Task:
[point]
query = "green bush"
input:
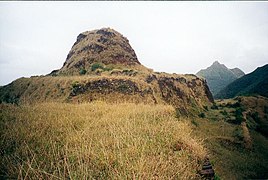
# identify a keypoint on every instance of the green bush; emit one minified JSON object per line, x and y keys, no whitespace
{"x":75,"y":84}
{"x":239,"y":116}
{"x":217,"y":177}
{"x":82,"y":71}
{"x":96,"y":66}
{"x":75,"y":87}
{"x":202,"y":115}
{"x":214,"y":106}
{"x":256,"y":117}
{"x":206,"y":108}
{"x":224,"y":113}
{"x":238,"y":133}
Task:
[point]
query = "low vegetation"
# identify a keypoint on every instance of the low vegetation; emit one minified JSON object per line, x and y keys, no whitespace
{"x":234,"y":135}
{"x":96,"y":141}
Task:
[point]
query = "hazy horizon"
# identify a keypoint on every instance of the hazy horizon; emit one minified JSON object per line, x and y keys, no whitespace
{"x":173,"y":37}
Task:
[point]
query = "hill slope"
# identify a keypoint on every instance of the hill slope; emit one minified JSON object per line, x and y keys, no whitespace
{"x":219,"y":76}
{"x":102,"y":66}
{"x":252,"y":83}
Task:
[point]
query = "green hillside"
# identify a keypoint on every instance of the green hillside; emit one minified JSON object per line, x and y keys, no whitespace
{"x":253,"y":83}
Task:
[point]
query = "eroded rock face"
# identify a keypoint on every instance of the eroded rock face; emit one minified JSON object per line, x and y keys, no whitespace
{"x":183,"y":92}
{"x":105,"y":46}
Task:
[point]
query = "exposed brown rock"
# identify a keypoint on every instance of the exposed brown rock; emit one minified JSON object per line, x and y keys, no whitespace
{"x":105,"y":46}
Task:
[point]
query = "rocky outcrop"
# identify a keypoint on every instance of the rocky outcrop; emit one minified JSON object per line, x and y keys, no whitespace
{"x":105,"y":46}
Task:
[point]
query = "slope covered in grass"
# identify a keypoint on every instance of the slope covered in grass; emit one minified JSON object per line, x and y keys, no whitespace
{"x":252,"y":83}
{"x":96,"y":141}
{"x":235,"y":135}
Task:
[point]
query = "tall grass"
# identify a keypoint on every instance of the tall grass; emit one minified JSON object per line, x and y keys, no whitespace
{"x":96,"y":141}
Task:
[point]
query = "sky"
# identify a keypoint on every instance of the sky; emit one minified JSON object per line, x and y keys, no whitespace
{"x":174,"y":37}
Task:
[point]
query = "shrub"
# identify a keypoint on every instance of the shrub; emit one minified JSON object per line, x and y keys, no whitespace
{"x":214,"y":106}
{"x":256,"y":117}
{"x":238,"y":133}
{"x":96,"y":66}
{"x":202,"y":115}
{"x":82,"y":71}
{"x":75,"y":84}
{"x":123,"y":87}
{"x":239,"y":116}
{"x":224,"y":113}
{"x":75,"y":87}
{"x":107,"y":68}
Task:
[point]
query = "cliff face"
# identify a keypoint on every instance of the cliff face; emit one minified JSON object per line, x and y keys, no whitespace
{"x":111,"y":72}
{"x":105,"y":46}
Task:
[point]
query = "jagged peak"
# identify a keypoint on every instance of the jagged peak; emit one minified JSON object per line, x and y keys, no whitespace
{"x":216,"y":63}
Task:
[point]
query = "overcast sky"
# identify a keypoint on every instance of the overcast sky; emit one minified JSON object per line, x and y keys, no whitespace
{"x":175,"y":37}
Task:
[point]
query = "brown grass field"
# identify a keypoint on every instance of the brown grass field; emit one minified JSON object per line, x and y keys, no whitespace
{"x":97,"y":141}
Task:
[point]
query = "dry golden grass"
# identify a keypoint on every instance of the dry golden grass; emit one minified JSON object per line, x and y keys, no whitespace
{"x":96,"y":141}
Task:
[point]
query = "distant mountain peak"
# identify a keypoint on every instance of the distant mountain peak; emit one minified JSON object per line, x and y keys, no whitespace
{"x":255,"y":82}
{"x":218,"y":76}
{"x":216,"y":63}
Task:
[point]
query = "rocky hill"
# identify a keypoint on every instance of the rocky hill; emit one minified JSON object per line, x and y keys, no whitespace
{"x":252,"y":83}
{"x":96,"y":48}
{"x":219,"y":76}
{"x":102,"y":66}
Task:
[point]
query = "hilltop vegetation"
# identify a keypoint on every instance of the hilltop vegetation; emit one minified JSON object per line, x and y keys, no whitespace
{"x":218,"y":76}
{"x":250,"y":84}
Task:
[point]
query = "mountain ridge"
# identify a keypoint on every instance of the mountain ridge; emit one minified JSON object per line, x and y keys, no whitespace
{"x":218,"y":76}
{"x":255,"y":82}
